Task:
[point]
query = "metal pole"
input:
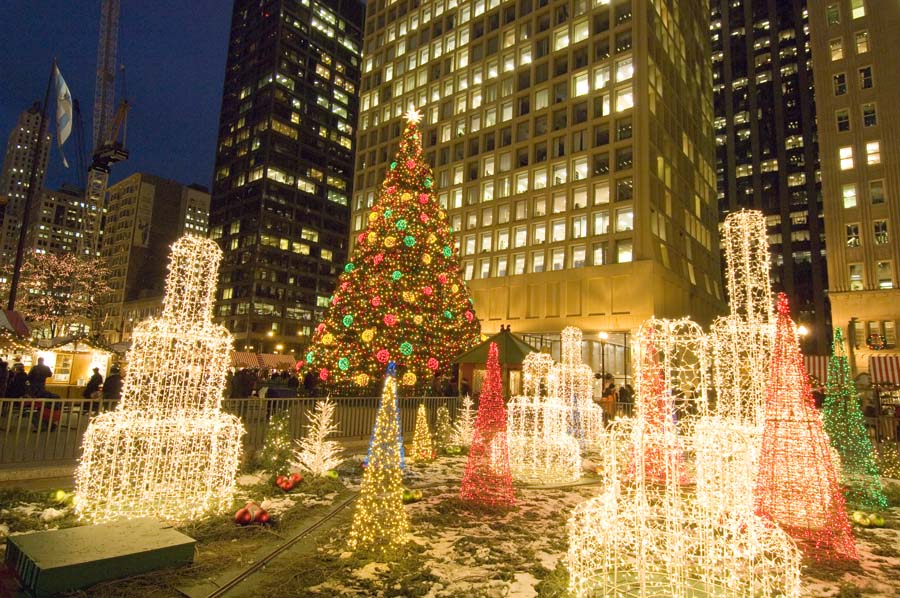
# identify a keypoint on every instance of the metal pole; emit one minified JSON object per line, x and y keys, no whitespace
{"x":29,"y":197}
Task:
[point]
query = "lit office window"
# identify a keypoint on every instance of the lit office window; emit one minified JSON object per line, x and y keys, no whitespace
{"x":846,"y":157}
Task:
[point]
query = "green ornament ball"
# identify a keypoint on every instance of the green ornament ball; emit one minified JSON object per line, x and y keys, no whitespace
{"x":396,"y":275}
{"x":350,"y":267}
{"x":388,"y":213}
{"x":409,"y":240}
{"x":428,"y":183}
{"x":309,"y":356}
{"x":406,"y":348}
{"x":401,"y":224}
{"x":447,"y":251}
{"x":344,"y":364}
{"x":348,"y":320}
{"x":448,"y":314}
{"x":393,"y":165}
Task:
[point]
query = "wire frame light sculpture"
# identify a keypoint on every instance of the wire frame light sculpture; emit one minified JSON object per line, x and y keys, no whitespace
{"x":573,"y":383}
{"x":797,"y":485}
{"x":542,"y":449}
{"x":168,"y":450}
{"x":647,"y":535}
{"x":742,"y":341}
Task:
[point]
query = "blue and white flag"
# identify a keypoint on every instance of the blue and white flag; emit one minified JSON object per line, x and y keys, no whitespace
{"x":63,"y":113}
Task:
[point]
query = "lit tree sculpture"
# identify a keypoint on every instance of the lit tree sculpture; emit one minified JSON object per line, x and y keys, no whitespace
{"x":797,"y":486}
{"x":277,"y":447}
{"x":542,"y":448}
{"x":487,"y":480}
{"x":315,"y":453}
{"x":401,"y":296}
{"x":423,"y":447}
{"x":168,"y":451}
{"x":379,"y":521}
{"x":846,"y":428}
{"x":443,"y":429}
{"x":464,"y":427}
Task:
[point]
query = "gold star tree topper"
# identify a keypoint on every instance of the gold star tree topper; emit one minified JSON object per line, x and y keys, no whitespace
{"x":413,"y":116}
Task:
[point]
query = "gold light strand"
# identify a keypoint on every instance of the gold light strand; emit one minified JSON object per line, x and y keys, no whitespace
{"x":168,"y":451}
{"x":423,"y":447}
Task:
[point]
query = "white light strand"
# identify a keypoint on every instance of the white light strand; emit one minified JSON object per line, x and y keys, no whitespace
{"x":168,"y":451}
{"x":464,"y":427}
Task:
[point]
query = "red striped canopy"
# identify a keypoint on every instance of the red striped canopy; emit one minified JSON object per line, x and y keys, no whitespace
{"x":817,"y":367}
{"x":885,"y":368}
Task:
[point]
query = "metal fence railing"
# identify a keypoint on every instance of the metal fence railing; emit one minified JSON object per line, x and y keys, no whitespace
{"x":43,"y":431}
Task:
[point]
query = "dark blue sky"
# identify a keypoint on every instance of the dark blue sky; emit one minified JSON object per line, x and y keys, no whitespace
{"x":174,"y":55}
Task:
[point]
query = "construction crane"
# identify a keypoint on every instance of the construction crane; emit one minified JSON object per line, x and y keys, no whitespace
{"x":107,"y":149}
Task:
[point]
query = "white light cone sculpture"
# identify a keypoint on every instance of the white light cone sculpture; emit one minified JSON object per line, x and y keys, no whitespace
{"x":168,"y":451}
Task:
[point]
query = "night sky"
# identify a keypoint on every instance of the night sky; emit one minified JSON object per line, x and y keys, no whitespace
{"x":174,"y":55}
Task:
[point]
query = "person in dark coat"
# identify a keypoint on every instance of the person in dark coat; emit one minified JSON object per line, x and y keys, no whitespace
{"x":4,"y":376}
{"x":93,"y":385}
{"x":18,"y":382}
{"x":112,"y":388}
{"x":37,"y":378}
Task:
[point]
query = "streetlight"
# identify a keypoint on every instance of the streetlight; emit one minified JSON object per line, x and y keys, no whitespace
{"x":604,"y":336}
{"x":802,"y":330}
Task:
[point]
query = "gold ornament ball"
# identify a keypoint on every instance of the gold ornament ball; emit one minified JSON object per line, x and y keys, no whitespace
{"x":328,"y":339}
{"x":390,"y":242}
{"x":368,"y":335}
{"x":409,"y":379}
{"x":418,"y":320}
{"x":426,"y":258}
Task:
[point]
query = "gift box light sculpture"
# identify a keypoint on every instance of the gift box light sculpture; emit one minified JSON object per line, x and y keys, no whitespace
{"x":797,"y":486}
{"x":541,"y":448}
{"x":487,"y":479}
{"x":167,"y":450}
{"x":647,"y":535}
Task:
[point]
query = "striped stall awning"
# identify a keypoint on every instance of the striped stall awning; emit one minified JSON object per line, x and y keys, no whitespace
{"x":274,"y":361}
{"x":817,"y":367}
{"x":244,"y":359}
{"x":885,"y":368}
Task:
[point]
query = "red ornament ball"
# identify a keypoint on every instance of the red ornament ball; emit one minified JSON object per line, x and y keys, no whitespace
{"x":428,"y":291}
{"x":323,"y":374}
{"x":423,"y":217}
{"x":390,"y":319}
{"x":390,"y":190}
{"x":423,"y":198}
{"x":469,"y":315}
{"x":320,"y":328}
{"x":442,"y":278}
{"x":410,"y":164}
{"x":375,"y":301}
{"x":383,"y":356}
{"x":361,"y":238}
{"x":377,"y":258}
{"x":432,"y":363}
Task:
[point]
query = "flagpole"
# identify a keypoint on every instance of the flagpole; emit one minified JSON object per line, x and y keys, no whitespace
{"x":32,"y":189}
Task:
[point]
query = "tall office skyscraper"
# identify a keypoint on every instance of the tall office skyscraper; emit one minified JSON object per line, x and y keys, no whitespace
{"x":284,"y":166}
{"x":16,"y":175}
{"x":766,"y":154}
{"x":572,"y":146}
{"x":857,"y":71}
{"x":145,"y":215}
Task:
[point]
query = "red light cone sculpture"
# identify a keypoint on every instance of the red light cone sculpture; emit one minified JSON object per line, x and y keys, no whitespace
{"x":487,"y":480}
{"x":797,"y":485}
{"x":662,"y":453}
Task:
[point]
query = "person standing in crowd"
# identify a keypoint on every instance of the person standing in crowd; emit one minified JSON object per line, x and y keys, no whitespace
{"x":17,"y":386}
{"x":609,"y":396}
{"x":37,"y":378}
{"x":112,"y":388}
{"x":4,"y":376}
{"x":93,"y":386}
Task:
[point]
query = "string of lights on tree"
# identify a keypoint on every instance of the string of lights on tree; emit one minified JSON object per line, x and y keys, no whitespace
{"x":380,"y":523}
{"x":443,"y":429}
{"x":845,"y":425}
{"x":797,"y":486}
{"x":487,"y":480}
{"x":464,"y":426}
{"x":401,"y":296}
{"x":168,"y":451}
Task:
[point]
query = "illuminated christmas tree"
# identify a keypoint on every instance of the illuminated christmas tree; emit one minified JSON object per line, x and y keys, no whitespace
{"x":423,"y":447}
{"x":277,"y":450}
{"x":846,"y":427}
{"x":487,"y":479}
{"x":797,"y":486}
{"x":443,"y":429}
{"x":315,"y":453}
{"x":379,"y":521}
{"x":401,"y":296}
{"x":889,"y":460}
